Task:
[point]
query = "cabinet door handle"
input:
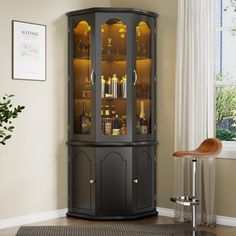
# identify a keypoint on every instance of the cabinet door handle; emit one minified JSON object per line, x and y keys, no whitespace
{"x":92,"y":77}
{"x":91,"y":181}
{"x":135,"y":77}
{"x":135,"y":181}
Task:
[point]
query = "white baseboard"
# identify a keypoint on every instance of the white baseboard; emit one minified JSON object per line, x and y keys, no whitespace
{"x":220,"y":220}
{"x":165,"y":212}
{"x":29,"y":219}
{"x":226,"y":220}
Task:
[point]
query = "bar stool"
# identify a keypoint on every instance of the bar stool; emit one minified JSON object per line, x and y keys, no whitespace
{"x":209,"y":148}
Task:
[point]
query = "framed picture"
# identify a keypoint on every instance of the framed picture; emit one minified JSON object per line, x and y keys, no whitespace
{"x":28,"y":51}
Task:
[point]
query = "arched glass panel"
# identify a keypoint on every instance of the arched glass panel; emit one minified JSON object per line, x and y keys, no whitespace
{"x":113,"y":78}
{"x":81,"y":77}
{"x":143,"y":79}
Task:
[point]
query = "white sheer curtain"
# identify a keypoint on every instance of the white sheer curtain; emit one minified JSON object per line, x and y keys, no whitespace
{"x":194,"y":102}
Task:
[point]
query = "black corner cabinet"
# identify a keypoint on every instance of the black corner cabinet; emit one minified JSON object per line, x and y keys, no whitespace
{"x":112,"y":113}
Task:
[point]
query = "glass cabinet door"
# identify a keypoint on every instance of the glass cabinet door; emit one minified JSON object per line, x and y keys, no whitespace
{"x":144,"y":81}
{"x":82,"y":79}
{"x":113,"y":79}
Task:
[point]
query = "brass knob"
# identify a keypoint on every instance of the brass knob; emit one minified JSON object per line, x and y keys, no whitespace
{"x":135,"y":181}
{"x":91,"y":181}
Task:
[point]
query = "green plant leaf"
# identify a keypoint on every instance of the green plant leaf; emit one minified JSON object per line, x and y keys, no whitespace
{"x":7,"y":113}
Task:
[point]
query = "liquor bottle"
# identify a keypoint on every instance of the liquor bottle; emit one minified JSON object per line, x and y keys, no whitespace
{"x":143,"y":120}
{"x":102,"y":120}
{"x":108,"y":89}
{"x":84,"y":121}
{"x":87,"y":89}
{"x":113,"y":116}
{"x":124,"y":86}
{"x":103,"y":83}
{"x":108,"y":123}
{"x":123,"y":129}
{"x":117,"y":126}
{"x":114,"y":86}
{"x":109,"y":45}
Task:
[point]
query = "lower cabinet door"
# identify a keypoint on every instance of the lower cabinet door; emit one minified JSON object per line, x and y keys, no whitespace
{"x":82,"y":180}
{"x":114,"y":185}
{"x":143,"y":179}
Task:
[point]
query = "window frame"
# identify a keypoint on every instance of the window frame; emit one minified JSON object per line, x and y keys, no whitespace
{"x":229,"y":147}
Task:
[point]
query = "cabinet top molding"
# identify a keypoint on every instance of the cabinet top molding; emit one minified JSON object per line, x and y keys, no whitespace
{"x":111,"y":10}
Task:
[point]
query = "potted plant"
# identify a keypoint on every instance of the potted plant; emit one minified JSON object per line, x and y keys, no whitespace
{"x":7,"y":113}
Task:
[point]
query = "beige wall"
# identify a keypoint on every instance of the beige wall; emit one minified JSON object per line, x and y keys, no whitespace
{"x":33,"y":164}
{"x":225,"y":187}
{"x":166,"y":46}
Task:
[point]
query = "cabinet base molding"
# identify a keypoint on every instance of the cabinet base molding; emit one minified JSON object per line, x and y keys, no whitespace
{"x":123,"y":217}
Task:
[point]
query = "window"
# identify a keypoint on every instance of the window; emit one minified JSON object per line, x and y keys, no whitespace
{"x":225,"y":89}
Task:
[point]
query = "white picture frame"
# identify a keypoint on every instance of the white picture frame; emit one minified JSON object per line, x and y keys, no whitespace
{"x":28,"y":51}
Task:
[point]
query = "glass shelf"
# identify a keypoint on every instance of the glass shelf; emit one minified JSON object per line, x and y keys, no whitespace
{"x":82,"y":58}
{"x":146,"y":99}
{"x":139,"y":58}
{"x":113,"y":57}
{"x":81,"y":99}
{"x":114,"y":99}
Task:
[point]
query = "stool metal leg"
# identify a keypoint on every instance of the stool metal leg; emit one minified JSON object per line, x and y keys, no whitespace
{"x":194,"y":220}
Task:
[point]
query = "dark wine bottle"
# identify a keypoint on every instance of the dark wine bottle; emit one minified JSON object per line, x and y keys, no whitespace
{"x":143,"y":120}
{"x":117,"y":126}
{"x":108,"y":121}
{"x":102,"y":120}
{"x":84,"y":121}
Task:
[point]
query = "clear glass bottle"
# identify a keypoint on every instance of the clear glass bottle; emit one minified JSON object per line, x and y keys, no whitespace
{"x":114,"y":86}
{"x":87,"y":89}
{"x":84,"y":121}
{"x":124,"y":86}
{"x":103,"y":85}
{"x":108,"y":93}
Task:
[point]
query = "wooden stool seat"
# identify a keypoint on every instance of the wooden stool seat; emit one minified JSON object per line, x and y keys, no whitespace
{"x":209,"y":148}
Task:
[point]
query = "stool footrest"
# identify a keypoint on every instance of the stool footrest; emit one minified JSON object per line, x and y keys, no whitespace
{"x":185,"y":200}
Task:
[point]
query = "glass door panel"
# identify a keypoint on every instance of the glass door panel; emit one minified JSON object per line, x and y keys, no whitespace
{"x":82,"y":78}
{"x":143,"y":79}
{"x":113,"y":78}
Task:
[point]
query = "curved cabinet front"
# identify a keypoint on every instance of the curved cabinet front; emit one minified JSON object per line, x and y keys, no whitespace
{"x":112,"y":76}
{"x":112,"y":113}
{"x":112,"y":182}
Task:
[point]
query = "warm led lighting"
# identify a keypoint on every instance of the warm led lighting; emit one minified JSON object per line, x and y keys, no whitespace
{"x":122,"y":30}
{"x":137,"y":31}
{"x":82,"y":28}
{"x":142,"y":28}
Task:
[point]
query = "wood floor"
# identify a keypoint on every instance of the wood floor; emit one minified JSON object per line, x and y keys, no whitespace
{"x":219,"y":230}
